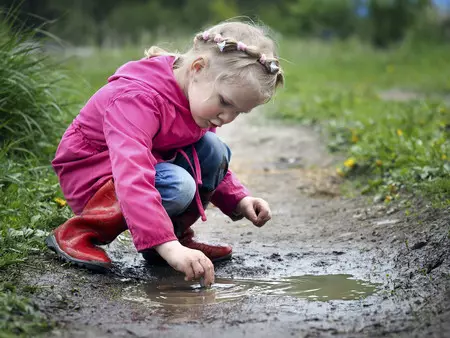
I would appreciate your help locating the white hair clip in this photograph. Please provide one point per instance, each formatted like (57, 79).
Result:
(221, 45)
(273, 67)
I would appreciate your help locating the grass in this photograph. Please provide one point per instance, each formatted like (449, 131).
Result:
(29, 209)
(33, 108)
(391, 145)
(31, 92)
(19, 316)
(28, 196)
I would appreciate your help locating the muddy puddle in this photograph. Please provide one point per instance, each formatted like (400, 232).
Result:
(178, 293)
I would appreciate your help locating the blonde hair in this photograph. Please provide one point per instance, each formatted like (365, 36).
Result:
(237, 51)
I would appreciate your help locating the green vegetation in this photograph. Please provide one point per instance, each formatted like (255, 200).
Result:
(18, 316)
(388, 110)
(32, 110)
(32, 113)
(112, 22)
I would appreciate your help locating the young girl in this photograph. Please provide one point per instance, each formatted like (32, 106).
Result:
(143, 154)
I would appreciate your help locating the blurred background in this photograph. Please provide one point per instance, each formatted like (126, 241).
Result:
(115, 22)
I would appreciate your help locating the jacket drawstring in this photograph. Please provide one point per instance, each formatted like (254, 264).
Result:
(197, 171)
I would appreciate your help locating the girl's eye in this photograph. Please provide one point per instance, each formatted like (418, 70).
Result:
(223, 102)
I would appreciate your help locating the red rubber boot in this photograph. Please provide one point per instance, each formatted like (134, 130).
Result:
(100, 223)
(182, 226)
(215, 253)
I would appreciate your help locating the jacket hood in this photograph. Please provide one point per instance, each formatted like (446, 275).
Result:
(156, 73)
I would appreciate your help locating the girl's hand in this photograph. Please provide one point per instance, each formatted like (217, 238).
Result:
(255, 210)
(193, 263)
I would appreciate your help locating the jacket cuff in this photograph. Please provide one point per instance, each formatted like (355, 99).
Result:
(148, 245)
(228, 205)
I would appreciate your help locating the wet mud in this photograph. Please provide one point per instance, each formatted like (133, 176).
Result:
(326, 265)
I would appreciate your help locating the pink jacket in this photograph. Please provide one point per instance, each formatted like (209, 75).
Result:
(140, 118)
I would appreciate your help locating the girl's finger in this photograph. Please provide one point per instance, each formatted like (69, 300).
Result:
(263, 214)
(251, 214)
(208, 269)
(189, 272)
(198, 269)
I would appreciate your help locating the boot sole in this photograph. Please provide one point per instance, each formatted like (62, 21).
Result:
(223, 258)
(52, 244)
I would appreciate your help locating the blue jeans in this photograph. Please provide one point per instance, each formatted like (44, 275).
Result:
(175, 181)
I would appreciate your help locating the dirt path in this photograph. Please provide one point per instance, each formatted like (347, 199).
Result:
(267, 289)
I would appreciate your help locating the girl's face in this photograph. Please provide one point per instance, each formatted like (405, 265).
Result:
(213, 105)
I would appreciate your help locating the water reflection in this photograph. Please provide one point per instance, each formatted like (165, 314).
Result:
(178, 293)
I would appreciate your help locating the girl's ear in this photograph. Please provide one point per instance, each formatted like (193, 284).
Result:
(199, 64)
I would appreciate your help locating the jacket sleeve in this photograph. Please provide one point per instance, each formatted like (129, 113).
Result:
(228, 194)
(130, 123)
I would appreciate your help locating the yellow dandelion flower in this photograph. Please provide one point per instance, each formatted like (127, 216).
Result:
(444, 157)
(379, 163)
(350, 163)
(60, 202)
(392, 188)
(340, 172)
(388, 198)
(399, 132)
